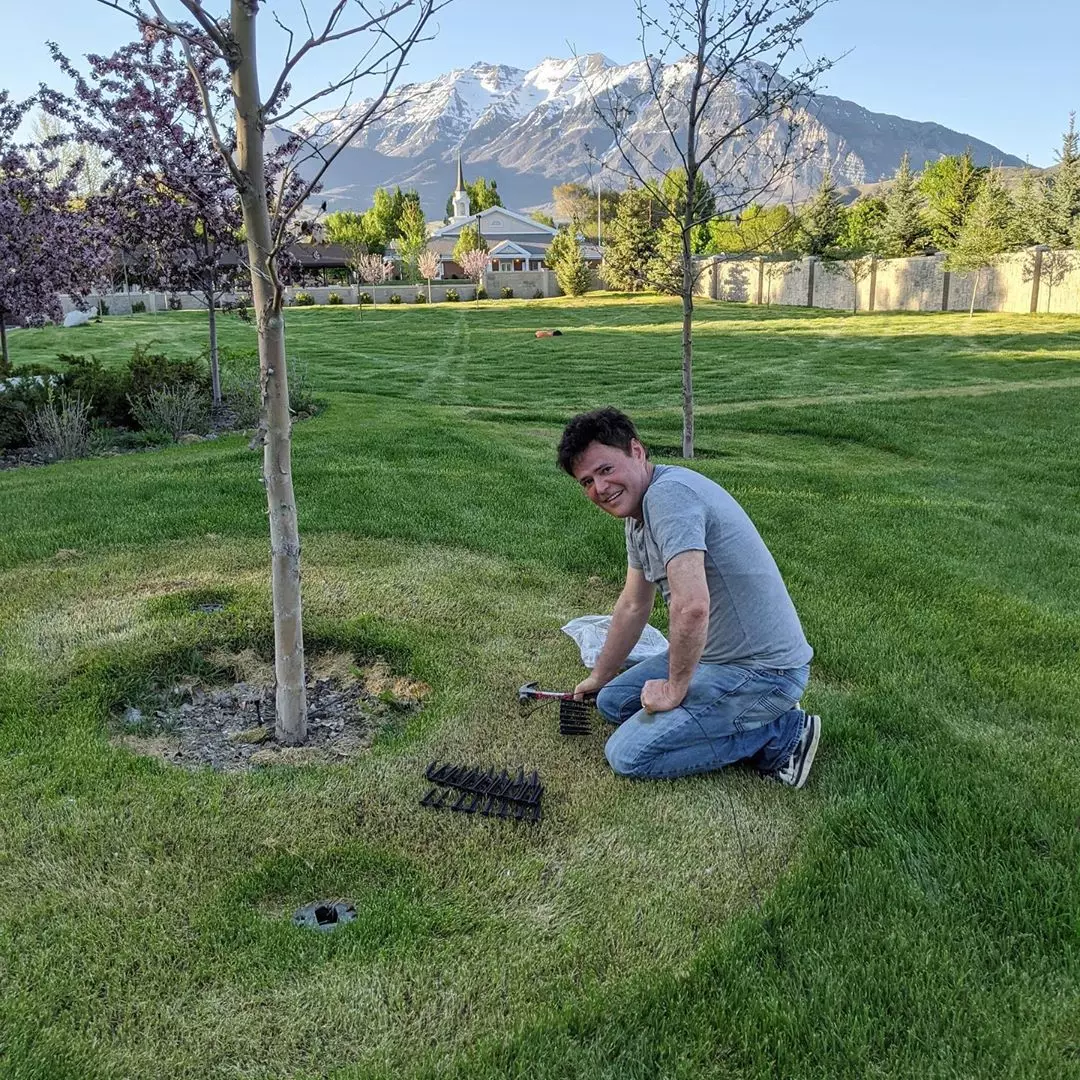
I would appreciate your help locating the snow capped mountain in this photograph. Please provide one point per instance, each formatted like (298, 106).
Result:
(532, 129)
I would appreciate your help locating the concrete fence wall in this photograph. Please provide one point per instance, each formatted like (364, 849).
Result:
(1022, 281)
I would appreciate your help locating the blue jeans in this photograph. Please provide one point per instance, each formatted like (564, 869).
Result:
(730, 713)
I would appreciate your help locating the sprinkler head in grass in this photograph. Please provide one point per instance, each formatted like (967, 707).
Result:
(325, 915)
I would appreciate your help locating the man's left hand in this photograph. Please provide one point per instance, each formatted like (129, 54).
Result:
(660, 695)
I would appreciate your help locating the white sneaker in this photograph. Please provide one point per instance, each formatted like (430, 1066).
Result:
(797, 769)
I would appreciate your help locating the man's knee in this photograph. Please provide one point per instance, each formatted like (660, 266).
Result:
(624, 756)
(609, 702)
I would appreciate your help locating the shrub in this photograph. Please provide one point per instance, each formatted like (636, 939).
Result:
(334, 298)
(395, 298)
(102, 308)
(60, 429)
(452, 296)
(174, 410)
(302, 399)
(239, 306)
(174, 303)
(538, 294)
(21, 394)
(138, 307)
(421, 298)
(364, 298)
(241, 394)
(481, 294)
(151, 371)
(104, 391)
(507, 293)
(304, 299)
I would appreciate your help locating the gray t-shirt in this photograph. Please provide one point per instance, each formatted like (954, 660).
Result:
(752, 620)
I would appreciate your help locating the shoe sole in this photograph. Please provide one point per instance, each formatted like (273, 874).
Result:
(811, 750)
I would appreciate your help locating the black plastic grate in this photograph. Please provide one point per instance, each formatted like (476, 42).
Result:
(470, 790)
(574, 717)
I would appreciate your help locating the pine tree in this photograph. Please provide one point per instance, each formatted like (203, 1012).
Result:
(630, 243)
(985, 233)
(664, 271)
(949, 186)
(1026, 227)
(822, 220)
(566, 259)
(1062, 193)
(903, 230)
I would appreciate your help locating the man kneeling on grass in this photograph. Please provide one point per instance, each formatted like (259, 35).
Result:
(728, 687)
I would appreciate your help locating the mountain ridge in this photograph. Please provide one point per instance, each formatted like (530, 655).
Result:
(531, 129)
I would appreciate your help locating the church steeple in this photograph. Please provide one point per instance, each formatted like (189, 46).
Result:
(461, 196)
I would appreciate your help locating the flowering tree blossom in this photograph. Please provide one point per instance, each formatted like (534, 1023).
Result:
(427, 262)
(49, 242)
(474, 263)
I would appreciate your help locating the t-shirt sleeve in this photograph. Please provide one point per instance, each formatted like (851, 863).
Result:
(675, 516)
(632, 559)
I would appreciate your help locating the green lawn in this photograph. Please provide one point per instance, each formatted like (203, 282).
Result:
(914, 912)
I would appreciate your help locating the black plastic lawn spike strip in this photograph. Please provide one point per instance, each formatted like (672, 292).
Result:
(467, 802)
(574, 718)
(519, 788)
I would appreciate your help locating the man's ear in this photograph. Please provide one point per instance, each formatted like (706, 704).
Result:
(637, 449)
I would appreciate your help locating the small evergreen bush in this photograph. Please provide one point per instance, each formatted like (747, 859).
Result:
(452, 296)
(421, 298)
(364, 298)
(395, 298)
(303, 299)
(138, 307)
(334, 298)
(481, 294)
(507, 293)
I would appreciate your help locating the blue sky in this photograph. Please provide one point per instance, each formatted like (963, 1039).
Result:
(1004, 72)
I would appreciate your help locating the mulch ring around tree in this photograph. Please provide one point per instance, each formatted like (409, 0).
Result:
(231, 728)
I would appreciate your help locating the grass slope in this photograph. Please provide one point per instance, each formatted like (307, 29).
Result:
(914, 475)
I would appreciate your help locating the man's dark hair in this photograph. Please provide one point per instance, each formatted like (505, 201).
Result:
(607, 426)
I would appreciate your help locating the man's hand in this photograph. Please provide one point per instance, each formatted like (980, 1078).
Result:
(591, 685)
(661, 695)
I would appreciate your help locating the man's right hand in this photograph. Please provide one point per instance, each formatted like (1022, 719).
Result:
(591, 685)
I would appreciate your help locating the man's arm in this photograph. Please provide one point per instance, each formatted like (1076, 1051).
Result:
(688, 625)
(631, 613)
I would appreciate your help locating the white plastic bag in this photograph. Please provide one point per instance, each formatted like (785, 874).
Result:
(591, 631)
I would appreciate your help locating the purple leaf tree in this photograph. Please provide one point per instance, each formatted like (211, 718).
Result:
(50, 242)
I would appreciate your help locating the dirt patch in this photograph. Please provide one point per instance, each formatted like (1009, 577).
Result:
(231, 728)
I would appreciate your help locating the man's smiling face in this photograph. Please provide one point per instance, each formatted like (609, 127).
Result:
(614, 479)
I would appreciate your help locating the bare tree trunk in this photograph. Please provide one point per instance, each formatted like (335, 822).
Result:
(687, 348)
(215, 373)
(277, 449)
(5, 360)
(974, 290)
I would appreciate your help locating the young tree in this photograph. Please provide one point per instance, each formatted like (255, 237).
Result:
(821, 221)
(984, 234)
(348, 230)
(475, 263)
(469, 239)
(228, 35)
(565, 258)
(754, 230)
(631, 242)
(729, 105)
(852, 256)
(543, 219)
(949, 186)
(427, 263)
(48, 243)
(903, 229)
(413, 236)
(1061, 200)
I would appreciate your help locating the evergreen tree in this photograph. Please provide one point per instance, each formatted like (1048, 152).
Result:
(949, 186)
(862, 227)
(985, 233)
(664, 270)
(903, 229)
(630, 242)
(1062, 193)
(1026, 227)
(822, 220)
(566, 259)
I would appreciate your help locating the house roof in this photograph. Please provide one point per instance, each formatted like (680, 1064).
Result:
(532, 228)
